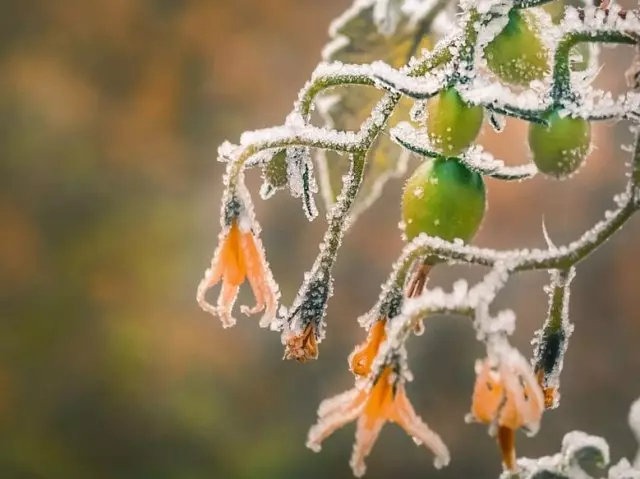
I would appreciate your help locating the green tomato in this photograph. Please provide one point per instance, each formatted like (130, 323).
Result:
(517, 55)
(452, 124)
(443, 198)
(560, 148)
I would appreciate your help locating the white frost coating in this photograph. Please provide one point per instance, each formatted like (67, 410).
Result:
(634, 424)
(476, 158)
(624, 470)
(597, 104)
(415, 87)
(309, 135)
(560, 285)
(576, 441)
(577, 447)
(484, 91)
(387, 15)
(595, 20)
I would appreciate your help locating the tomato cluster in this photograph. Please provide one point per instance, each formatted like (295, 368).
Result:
(445, 198)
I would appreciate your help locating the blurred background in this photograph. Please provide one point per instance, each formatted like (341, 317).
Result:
(110, 115)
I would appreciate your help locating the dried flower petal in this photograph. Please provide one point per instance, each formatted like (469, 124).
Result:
(301, 347)
(373, 408)
(507, 396)
(362, 357)
(239, 256)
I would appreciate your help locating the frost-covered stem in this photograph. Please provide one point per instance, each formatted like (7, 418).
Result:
(635, 168)
(459, 302)
(524, 260)
(561, 88)
(309, 93)
(311, 301)
(551, 342)
(532, 116)
(529, 3)
(340, 212)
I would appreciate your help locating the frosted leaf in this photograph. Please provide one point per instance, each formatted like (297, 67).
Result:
(274, 172)
(302, 183)
(356, 39)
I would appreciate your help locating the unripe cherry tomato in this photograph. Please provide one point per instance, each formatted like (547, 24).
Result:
(517, 55)
(452, 124)
(443, 198)
(560, 148)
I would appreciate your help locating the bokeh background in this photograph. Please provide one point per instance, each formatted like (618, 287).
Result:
(110, 115)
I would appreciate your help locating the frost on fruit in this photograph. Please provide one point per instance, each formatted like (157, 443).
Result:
(368, 106)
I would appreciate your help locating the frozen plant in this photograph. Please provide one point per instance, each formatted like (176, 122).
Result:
(442, 67)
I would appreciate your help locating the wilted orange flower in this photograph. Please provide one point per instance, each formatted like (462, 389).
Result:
(301, 347)
(509, 397)
(239, 255)
(551, 393)
(373, 407)
(362, 357)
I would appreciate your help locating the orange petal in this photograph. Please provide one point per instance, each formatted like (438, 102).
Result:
(362, 357)
(302, 347)
(367, 432)
(226, 299)
(259, 278)
(405, 416)
(231, 261)
(334, 413)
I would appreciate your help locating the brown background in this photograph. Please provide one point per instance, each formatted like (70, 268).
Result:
(110, 115)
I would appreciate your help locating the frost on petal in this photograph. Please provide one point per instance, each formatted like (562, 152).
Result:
(333, 413)
(373, 407)
(304, 322)
(415, 427)
(507, 397)
(303, 346)
(259, 276)
(239, 256)
(367, 432)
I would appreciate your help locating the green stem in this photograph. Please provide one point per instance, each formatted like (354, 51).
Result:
(561, 90)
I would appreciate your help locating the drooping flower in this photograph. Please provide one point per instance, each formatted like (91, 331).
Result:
(239, 256)
(301, 347)
(303, 325)
(373, 407)
(550, 392)
(507, 396)
(361, 359)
